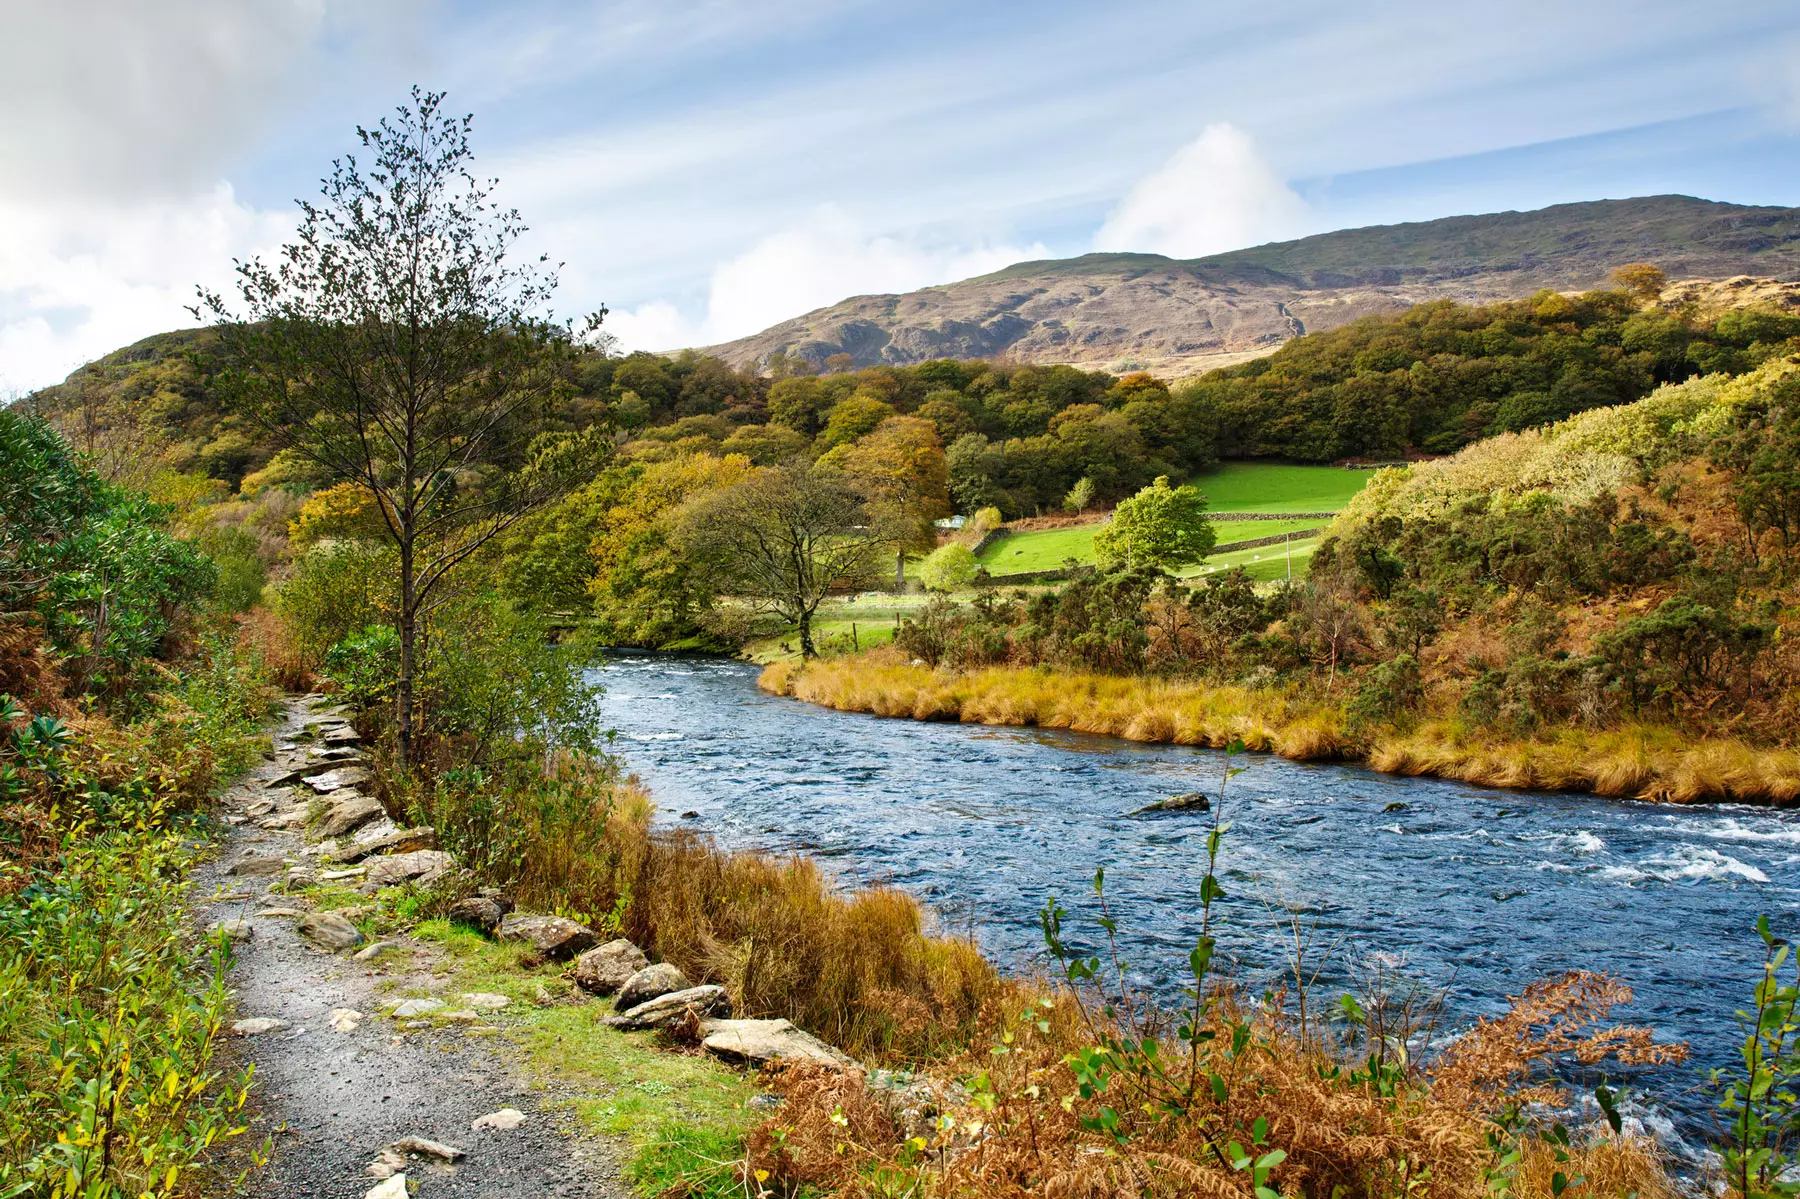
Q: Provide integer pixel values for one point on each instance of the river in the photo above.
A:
(1472, 890)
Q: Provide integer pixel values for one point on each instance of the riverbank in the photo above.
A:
(1637, 761)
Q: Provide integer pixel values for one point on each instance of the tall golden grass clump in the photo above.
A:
(1640, 761)
(860, 969)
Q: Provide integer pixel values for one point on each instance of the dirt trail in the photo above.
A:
(333, 1093)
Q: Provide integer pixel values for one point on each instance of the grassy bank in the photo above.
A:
(1634, 760)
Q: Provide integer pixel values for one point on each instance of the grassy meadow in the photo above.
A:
(1233, 487)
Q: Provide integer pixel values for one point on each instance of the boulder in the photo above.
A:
(408, 1008)
(428, 1148)
(504, 1120)
(1191, 801)
(487, 1000)
(351, 810)
(671, 1009)
(759, 1042)
(257, 867)
(374, 951)
(338, 779)
(329, 931)
(393, 1188)
(649, 983)
(485, 912)
(344, 1019)
(555, 937)
(231, 930)
(257, 1025)
(608, 967)
(383, 837)
(422, 866)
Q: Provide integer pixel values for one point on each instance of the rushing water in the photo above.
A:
(1474, 890)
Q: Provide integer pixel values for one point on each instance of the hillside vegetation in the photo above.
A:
(1607, 603)
(1143, 311)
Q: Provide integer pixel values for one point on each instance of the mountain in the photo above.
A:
(1176, 317)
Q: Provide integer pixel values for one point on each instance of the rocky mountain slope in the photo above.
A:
(1145, 311)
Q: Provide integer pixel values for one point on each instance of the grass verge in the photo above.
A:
(1640, 761)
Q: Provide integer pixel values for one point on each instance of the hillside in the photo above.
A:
(1145, 311)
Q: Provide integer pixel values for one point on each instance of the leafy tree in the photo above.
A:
(948, 567)
(1642, 281)
(900, 469)
(1080, 496)
(784, 537)
(1161, 527)
(854, 417)
(395, 345)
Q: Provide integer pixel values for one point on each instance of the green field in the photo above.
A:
(1232, 487)
(1263, 564)
(1278, 487)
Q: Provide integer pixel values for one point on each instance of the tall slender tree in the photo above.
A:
(397, 344)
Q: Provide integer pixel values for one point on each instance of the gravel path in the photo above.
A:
(334, 1095)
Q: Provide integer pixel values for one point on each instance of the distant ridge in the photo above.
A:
(1145, 311)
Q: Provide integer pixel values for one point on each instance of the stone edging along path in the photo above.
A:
(361, 1091)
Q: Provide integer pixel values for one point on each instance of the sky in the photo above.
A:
(706, 168)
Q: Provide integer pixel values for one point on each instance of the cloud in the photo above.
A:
(80, 280)
(1216, 193)
(116, 95)
(824, 259)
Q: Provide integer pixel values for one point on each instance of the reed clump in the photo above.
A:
(1635, 760)
(862, 969)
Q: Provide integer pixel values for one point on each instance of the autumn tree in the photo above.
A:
(1161, 526)
(900, 469)
(1643, 281)
(396, 345)
(783, 538)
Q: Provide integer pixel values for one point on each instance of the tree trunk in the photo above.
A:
(806, 642)
(403, 691)
(900, 571)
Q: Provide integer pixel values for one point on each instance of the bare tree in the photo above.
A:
(395, 344)
(784, 538)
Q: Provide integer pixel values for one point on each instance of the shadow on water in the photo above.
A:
(1475, 890)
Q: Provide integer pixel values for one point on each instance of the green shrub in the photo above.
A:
(334, 593)
(948, 567)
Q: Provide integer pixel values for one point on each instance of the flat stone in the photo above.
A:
(1191, 801)
(231, 930)
(415, 1025)
(344, 735)
(758, 1042)
(376, 950)
(382, 837)
(345, 1019)
(329, 931)
(667, 1010)
(281, 912)
(393, 1188)
(428, 1148)
(350, 810)
(257, 1025)
(261, 807)
(332, 876)
(256, 867)
(485, 999)
(504, 1120)
(421, 866)
(387, 1163)
(416, 1007)
(293, 818)
(461, 1016)
(649, 983)
(606, 968)
(555, 937)
(485, 912)
(338, 779)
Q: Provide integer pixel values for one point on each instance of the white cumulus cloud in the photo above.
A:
(1216, 193)
(81, 279)
(824, 259)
